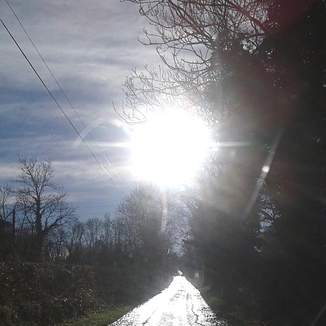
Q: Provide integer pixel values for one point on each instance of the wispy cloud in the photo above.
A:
(90, 47)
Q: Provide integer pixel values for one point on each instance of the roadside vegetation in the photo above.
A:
(101, 318)
(51, 294)
(55, 268)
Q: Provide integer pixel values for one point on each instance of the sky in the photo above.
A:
(90, 47)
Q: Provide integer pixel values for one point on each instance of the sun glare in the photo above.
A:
(169, 148)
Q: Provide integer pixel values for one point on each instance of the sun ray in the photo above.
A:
(170, 147)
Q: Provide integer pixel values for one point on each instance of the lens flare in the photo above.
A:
(169, 148)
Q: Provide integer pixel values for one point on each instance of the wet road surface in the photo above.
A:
(179, 305)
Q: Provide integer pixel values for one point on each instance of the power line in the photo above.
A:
(62, 91)
(58, 105)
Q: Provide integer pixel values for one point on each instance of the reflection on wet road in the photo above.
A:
(179, 305)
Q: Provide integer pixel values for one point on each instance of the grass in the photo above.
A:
(100, 319)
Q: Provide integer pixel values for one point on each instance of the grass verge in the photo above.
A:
(103, 318)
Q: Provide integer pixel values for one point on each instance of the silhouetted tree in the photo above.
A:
(297, 179)
(40, 201)
(256, 71)
(55, 245)
(75, 245)
(192, 39)
(140, 218)
(7, 232)
(6, 207)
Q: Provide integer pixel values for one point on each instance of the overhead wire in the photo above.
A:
(61, 89)
(59, 106)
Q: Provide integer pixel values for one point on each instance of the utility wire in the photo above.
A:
(62, 91)
(58, 105)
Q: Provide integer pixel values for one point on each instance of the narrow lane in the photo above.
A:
(179, 305)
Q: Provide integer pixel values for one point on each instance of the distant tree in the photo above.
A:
(40, 201)
(75, 244)
(5, 206)
(140, 219)
(175, 221)
(108, 234)
(55, 245)
(92, 232)
(6, 221)
(109, 245)
(112, 234)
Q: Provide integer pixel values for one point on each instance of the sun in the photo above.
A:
(170, 147)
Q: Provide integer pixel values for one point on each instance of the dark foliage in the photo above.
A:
(258, 218)
(49, 294)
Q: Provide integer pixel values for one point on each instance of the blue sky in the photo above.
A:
(90, 47)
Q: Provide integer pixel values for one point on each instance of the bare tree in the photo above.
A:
(5, 206)
(55, 245)
(41, 201)
(75, 241)
(176, 219)
(7, 224)
(193, 40)
(140, 217)
(150, 220)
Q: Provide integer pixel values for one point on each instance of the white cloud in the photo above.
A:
(90, 47)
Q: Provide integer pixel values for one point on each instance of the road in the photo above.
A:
(178, 305)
